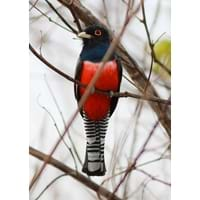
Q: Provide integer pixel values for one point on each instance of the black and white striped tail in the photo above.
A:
(94, 164)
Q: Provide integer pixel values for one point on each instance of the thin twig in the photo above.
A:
(156, 16)
(50, 184)
(49, 18)
(136, 190)
(141, 97)
(76, 20)
(153, 177)
(106, 13)
(61, 17)
(151, 45)
(132, 166)
(63, 120)
(52, 67)
(59, 133)
(33, 5)
(137, 166)
(144, 186)
(136, 114)
(131, 82)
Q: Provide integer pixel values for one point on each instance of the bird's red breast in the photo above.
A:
(97, 105)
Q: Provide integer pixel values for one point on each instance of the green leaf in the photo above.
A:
(163, 54)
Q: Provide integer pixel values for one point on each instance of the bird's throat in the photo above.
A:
(94, 52)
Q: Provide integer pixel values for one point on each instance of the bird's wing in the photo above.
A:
(77, 77)
(114, 100)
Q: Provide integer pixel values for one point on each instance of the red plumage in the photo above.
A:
(97, 105)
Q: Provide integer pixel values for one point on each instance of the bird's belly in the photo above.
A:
(97, 105)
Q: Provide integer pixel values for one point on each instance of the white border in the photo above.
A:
(14, 100)
(185, 99)
(14, 107)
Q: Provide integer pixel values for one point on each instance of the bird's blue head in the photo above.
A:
(96, 41)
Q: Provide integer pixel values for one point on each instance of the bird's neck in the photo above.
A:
(94, 52)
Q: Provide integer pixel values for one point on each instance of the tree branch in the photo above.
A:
(107, 93)
(61, 17)
(151, 44)
(47, 17)
(154, 178)
(74, 174)
(49, 185)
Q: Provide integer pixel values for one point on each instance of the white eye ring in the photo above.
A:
(97, 32)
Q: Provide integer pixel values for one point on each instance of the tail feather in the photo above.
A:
(94, 164)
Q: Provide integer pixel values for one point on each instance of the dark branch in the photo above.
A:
(61, 17)
(151, 44)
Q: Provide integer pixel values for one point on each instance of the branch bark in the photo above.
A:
(74, 174)
(129, 63)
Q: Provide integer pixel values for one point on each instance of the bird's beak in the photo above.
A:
(84, 35)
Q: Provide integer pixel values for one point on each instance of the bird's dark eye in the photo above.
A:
(97, 32)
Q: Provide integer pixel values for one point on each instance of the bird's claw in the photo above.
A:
(111, 94)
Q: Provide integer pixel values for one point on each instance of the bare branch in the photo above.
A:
(112, 94)
(151, 45)
(61, 17)
(74, 174)
(59, 133)
(153, 177)
(106, 13)
(63, 120)
(50, 184)
(33, 5)
(49, 18)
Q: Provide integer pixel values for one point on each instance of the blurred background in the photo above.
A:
(52, 103)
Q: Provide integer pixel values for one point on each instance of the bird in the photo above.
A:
(98, 107)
